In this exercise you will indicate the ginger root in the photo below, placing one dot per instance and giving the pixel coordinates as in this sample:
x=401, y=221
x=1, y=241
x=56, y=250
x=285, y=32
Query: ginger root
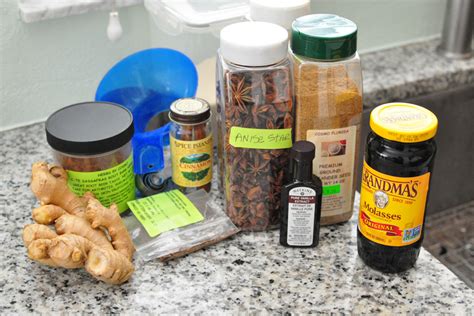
x=99, y=241
x=38, y=251
x=109, y=218
x=49, y=185
x=109, y=266
x=32, y=232
x=70, y=224
x=47, y=214
x=69, y=251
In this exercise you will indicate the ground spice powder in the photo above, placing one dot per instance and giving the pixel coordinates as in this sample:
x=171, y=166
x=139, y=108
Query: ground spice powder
x=328, y=113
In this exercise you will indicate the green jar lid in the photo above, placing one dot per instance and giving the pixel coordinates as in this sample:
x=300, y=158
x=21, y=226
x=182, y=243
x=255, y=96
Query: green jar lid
x=324, y=36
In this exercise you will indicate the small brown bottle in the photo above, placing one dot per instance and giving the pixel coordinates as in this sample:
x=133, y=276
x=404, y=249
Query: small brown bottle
x=301, y=200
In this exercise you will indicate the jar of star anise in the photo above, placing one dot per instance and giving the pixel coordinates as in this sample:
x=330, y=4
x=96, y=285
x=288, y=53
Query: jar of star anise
x=255, y=116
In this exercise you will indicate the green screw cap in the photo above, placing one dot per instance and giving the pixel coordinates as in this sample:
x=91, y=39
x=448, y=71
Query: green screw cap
x=324, y=36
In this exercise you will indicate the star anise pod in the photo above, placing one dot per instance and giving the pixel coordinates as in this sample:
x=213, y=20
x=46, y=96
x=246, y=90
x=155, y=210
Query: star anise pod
x=241, y=95
x=260, y=113
x=257, y=166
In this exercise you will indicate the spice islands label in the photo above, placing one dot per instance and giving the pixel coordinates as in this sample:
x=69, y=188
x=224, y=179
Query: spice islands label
x=191, y=162
x=392, y=208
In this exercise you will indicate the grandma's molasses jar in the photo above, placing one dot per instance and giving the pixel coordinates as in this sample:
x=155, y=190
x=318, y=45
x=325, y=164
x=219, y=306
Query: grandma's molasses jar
x=398, y=163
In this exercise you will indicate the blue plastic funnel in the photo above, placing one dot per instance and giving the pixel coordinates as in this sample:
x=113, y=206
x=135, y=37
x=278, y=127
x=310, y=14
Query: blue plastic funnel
x=146, y=83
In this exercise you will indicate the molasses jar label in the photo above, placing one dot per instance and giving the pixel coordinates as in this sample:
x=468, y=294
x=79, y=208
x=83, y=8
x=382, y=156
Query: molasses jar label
x=398, y=166
x=392, y=208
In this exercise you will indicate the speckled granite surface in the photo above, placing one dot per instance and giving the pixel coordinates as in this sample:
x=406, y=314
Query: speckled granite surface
x=407, y=71
x=248, y=273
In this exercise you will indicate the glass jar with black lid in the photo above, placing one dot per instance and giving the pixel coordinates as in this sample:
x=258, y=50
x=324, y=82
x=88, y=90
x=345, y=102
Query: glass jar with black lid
x=398, y=163
x=92, y=141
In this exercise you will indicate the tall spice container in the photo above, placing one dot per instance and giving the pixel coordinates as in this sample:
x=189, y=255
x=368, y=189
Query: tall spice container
x=328, y=89
x=254, y=105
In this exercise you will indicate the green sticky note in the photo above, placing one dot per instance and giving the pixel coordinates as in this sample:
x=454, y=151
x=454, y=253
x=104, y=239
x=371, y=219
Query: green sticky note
x=114, y=185
x=256, y=138
x=165, y=211
x=331, y=189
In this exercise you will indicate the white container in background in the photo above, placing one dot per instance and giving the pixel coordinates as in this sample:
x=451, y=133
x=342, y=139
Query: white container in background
x=281, y=12
x=192, y=27
x=177, y=16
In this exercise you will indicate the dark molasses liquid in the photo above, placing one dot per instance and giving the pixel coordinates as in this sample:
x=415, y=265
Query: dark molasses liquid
x=396, y=159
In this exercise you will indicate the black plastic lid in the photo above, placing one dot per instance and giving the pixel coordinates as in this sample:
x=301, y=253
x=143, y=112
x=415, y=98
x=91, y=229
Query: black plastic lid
x=190, y=111
x=89, y=128
x=303, y=151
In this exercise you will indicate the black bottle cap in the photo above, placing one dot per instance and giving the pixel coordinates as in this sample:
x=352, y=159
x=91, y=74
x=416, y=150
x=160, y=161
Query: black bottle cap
x=89, y=128
x=303, y=151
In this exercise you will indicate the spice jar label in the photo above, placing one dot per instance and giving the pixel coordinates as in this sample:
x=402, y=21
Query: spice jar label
x=257, y=138
x=114, y=185
x=301, y=213
x=166, y=211
x=392, y=208
x=191, y=162
x=334, y=164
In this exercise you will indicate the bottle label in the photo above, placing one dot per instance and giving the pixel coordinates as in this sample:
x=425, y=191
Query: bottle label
x=334, y=165
x=301, y=213
x=392, y=209
x=258, y=138
x=114, y=185
x=166, y=211
x=191, y=162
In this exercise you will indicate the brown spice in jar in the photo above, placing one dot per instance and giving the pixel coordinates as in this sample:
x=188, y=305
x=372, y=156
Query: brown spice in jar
x=327, y=98
x=96, y=162
x=192, y=133
x=252, y=178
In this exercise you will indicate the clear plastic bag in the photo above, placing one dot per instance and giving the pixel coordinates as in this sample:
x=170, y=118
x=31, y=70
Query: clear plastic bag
x=215, y=227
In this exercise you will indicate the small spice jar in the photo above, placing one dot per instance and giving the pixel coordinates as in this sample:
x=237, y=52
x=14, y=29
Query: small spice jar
x=191, y=144
x=92, y=142
x=255, y=117
x=328, y=89
x=398, y=163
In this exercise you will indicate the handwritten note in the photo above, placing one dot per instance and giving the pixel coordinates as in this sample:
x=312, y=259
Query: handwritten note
x=255, y=138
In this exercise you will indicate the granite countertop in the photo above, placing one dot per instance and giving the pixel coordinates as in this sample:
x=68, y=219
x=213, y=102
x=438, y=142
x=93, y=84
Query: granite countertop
x=247, y=273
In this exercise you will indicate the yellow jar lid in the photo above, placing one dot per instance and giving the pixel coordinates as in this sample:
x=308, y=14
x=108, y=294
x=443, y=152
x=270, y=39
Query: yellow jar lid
x=403, y=122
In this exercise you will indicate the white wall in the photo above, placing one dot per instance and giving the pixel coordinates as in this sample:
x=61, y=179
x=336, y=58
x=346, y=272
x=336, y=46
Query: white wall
x=47, y=65
x=387, y=23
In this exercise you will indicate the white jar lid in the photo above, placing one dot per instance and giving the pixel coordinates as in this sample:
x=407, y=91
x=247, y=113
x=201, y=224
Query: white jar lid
x=254, y=43
x=281, y=12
